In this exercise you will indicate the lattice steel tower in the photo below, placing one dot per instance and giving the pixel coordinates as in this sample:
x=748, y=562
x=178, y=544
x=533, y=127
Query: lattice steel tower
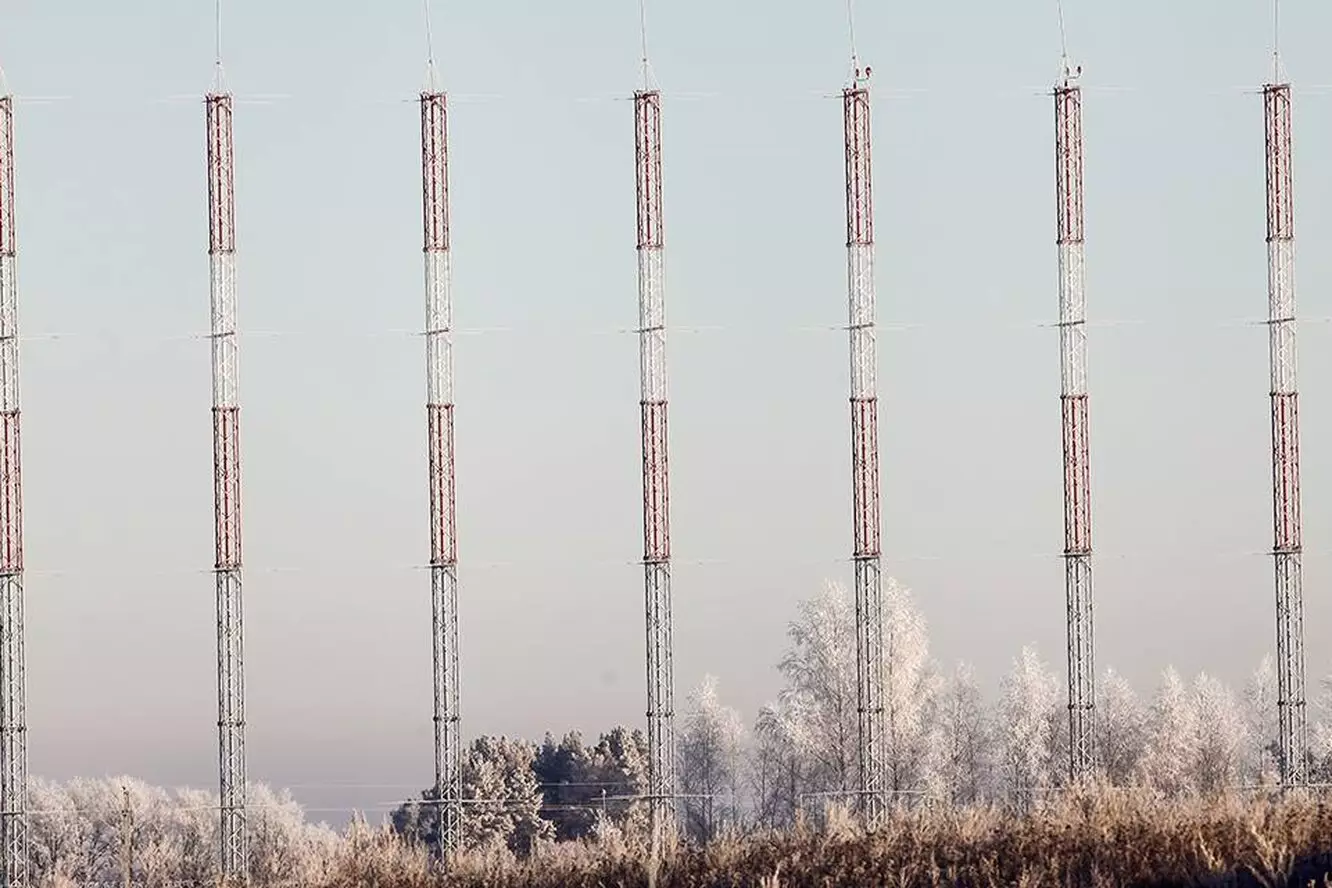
x=656, y=475
x=226, y=485
x=864, y=442
x=1286, y=543
x=439, y=432
x=13, y=695
x=1073, y=400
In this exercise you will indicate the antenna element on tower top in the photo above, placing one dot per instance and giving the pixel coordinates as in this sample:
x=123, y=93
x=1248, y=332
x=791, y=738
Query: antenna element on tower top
x=430, y=48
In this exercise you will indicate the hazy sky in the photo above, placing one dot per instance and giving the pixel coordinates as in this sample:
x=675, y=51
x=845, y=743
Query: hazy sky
x=112, y=233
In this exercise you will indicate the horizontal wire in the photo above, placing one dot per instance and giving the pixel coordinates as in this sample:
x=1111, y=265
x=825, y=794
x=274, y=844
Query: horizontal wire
x=732, y=329
x=766, y=558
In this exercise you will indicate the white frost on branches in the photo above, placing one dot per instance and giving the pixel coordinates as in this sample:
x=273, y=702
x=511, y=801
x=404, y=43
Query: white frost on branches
x=1169, y=762
x=1260, y=710
x=501, y=797
x=961, y=741
x=818, y=706
x=88, y=831
x=710, y=747
x=909, y=688
x=1121, y=729
x=1030, y=693
x=1223, y=736
x=819, y=700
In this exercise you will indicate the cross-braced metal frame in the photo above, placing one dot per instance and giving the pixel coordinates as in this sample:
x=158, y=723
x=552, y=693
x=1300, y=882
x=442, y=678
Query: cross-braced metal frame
x=656, y=475
x=227, y=488
x=13, y=695
x=1286, y=543
x=439, y=430
x=866, y=522
x=1073, y=398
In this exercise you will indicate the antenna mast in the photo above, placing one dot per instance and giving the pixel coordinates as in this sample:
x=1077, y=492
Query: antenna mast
x=1287, y=544
x=656, y=481
x=13, y=695
x=226, y=482
x=866, y=520
x=1074, y=410
x=439, y=433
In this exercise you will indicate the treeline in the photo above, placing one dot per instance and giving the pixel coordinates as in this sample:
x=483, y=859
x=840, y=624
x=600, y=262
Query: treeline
x=956, y=761
x=945, y=745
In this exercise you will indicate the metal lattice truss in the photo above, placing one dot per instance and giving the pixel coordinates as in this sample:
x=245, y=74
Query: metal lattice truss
x=864, y=449
x=1286, y=544
x=227, y=488
x=1073, y=398
x=13, y=697
x=656, y=474
x=439, y=430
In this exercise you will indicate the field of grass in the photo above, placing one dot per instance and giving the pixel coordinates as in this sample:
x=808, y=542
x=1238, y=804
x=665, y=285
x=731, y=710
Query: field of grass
x=1097, y=838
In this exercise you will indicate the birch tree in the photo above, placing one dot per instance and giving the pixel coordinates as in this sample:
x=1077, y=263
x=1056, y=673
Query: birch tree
x=1121, y=728
x=1320, y=734
x=710, y=747
x=774, y=771
x=1169, y=762
x=1029, y=695
x=962, y=739
x=909, y=687
x=819, y=700
x=1260, y=709
x=1222, y=736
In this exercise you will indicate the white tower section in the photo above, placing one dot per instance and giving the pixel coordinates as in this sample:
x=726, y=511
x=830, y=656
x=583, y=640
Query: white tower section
x=1286, y=545
x=1073, y=398
x=864, y=446
x=439, y=431
x=656, y=475
x=13, y=697
x=226, y=487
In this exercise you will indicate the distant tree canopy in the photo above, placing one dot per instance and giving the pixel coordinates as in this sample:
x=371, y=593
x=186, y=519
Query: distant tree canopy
x=944, y=743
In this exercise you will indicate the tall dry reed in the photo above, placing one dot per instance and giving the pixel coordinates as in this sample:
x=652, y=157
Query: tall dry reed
x=1100, y=837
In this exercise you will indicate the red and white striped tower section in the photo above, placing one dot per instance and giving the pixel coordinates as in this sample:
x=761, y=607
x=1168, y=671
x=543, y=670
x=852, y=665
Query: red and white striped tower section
x=1286, y=545
x=439, y=424
x=656, y=476
x=13, y=697
x=227, y=486
x=864, y=443
x=1073, y=399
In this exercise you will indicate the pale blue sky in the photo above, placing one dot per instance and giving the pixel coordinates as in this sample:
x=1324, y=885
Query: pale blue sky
x=117, y=455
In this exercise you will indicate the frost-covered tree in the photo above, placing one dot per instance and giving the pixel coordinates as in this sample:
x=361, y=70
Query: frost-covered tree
x=710, y=745
x=89, y=831
x=1169, y=762
x=774, y=770
x=1320, y=734
x=621, y=762
x=961, y=740
x=1222, y=736
x=501, y=797
x=819, y=699
x=564, y=770
x=1260, y=710
x=501, y=801
x=1030, y=693
x=909, y=687
x=1121, y=729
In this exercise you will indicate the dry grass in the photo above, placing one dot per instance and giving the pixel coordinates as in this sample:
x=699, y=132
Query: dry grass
x=1100, y=838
